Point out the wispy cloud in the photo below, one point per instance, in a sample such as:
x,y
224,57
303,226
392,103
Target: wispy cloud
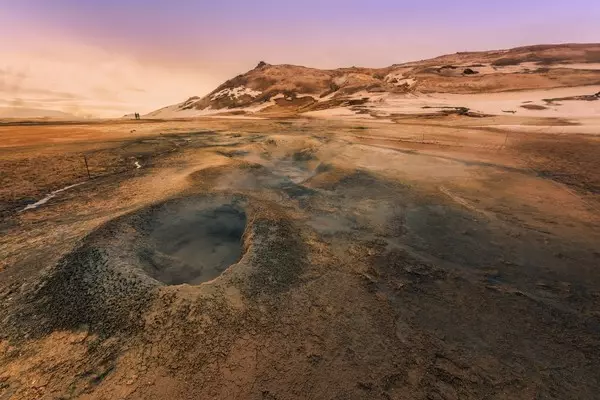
x,y
85,80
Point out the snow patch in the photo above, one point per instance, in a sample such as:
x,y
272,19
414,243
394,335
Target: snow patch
x,y
236,92
48,197
278,96
588,66
340,80
410,82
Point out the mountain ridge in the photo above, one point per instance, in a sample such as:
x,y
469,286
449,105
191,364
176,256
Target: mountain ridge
x,y
287,88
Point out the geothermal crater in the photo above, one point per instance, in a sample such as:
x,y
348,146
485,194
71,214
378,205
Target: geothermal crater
x,y
191,242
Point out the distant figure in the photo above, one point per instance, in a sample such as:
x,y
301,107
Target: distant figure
x,y
137,116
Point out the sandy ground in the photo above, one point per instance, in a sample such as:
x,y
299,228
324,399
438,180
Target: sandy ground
x,y
420,256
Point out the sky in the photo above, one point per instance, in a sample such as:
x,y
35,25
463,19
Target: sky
x,y
106,58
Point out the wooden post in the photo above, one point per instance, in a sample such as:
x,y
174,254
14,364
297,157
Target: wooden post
x,y
505,142
86,166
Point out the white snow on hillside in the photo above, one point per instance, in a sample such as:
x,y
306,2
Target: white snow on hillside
x,y
236,93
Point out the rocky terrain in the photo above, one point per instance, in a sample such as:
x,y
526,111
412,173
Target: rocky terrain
x,y
288,89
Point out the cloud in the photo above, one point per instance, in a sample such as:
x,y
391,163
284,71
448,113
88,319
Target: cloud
x,y
17,103
83,79
11,80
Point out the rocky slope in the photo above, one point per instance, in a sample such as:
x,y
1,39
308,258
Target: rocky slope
x,y
284,89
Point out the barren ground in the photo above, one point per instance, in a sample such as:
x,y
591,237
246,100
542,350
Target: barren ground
x,y
422,257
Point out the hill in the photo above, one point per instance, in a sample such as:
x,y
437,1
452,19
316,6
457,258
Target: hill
x,y
19,112
290,89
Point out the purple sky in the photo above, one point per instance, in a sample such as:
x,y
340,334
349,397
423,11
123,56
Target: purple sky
x,y
219,39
